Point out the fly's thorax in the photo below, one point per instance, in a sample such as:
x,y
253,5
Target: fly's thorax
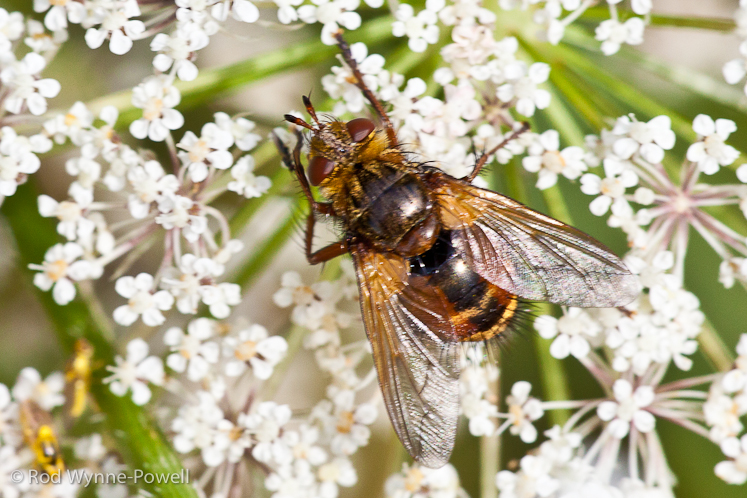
x,y
384,203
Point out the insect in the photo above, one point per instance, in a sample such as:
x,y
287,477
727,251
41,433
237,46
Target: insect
x,y
439,262
36,425
78,376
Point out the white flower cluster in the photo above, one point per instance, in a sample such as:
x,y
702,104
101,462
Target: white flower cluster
x,y
628,351
658,214
415,481
446,130
176,205
23,95
736,69
726,404
556,15
225,360
339,424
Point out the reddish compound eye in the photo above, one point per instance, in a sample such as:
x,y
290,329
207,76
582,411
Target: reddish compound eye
x,y
360,128
319,169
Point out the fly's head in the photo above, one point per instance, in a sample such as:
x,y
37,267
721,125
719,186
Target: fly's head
x,y
337,145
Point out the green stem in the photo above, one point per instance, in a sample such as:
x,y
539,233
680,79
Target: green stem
x,y
263,254
716,24
555,386
714,348
142,444
490,455
686,78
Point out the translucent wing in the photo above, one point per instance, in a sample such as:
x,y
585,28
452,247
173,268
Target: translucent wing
x,y
529,254
415,354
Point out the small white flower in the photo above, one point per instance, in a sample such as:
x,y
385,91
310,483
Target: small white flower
x,y
149,183
338,472
46,393
75,124
69,213
641,7
351,424
286,11
188,282
177,51
611,188
59,12
210,150
300,444
571,332
722,414
182,213
734,471
157,97
245,182
291,480
118,28
332,14
546,159
649,140
60,268
627,409
220,297
421,29
522,87
11,29
253,346
265,425
135,372
192,352
735,70
613,34
532,479
142,301
17,159
22,79
240,128
710,151
415,481
523,410
245,11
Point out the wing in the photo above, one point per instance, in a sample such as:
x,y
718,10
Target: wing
x,y
415,353
529,254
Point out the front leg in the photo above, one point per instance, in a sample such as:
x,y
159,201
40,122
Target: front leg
x,y
293,163
325,253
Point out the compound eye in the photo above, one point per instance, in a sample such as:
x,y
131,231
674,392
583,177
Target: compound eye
x,y
360,128
319,169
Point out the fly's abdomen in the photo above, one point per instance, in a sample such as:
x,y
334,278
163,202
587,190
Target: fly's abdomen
x,y
479,309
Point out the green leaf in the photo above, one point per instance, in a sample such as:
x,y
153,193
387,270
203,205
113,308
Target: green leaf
x,y
142,444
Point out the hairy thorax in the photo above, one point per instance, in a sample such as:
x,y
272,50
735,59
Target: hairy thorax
x,y
387,204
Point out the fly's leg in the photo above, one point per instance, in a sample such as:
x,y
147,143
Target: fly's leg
x,y
293,163
325,253
484,158
348,56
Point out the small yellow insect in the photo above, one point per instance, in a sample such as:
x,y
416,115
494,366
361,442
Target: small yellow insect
x,y
78,375
39,435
